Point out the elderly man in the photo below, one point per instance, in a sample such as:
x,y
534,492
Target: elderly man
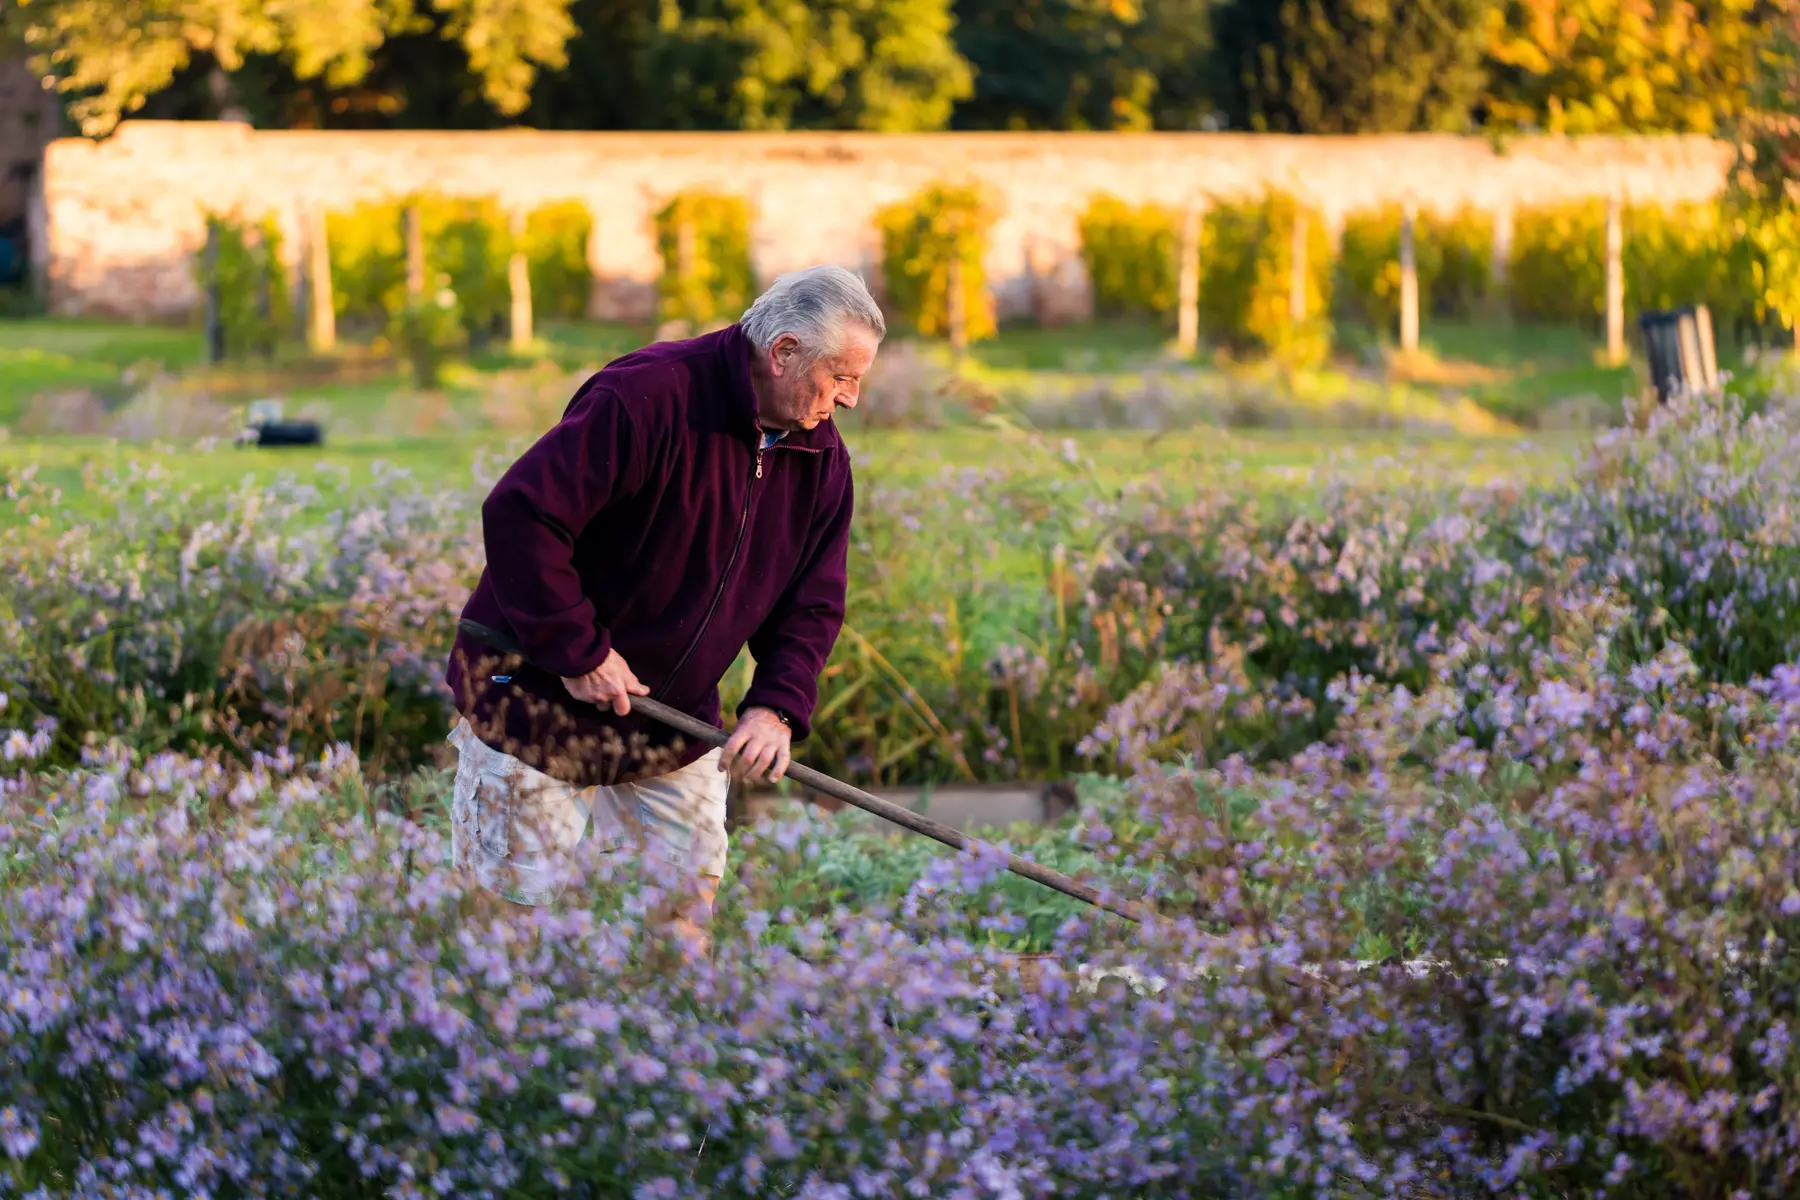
x,y
694,498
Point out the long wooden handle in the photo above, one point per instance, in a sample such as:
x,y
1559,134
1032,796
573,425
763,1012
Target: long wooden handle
x,y
821,782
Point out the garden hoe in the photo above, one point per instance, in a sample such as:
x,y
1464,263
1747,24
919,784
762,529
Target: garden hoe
x,y
826,785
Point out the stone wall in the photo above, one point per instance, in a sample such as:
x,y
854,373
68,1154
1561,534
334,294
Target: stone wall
x,y
125,215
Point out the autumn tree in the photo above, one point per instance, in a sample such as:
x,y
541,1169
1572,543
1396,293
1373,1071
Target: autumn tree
x,y
1351,66
109,56
1609,66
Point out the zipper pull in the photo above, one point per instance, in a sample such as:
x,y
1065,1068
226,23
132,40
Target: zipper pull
x,y
759,464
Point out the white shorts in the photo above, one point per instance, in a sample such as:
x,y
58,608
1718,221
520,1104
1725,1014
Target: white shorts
x,y
514,828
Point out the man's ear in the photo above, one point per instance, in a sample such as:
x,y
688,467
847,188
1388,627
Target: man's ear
x,y
783,353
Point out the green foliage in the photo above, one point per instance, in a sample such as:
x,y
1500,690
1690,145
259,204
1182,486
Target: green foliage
x,y
1246,278
428,333
1465,250
1074,64
1453,256
919,238
466,249
556,243
109,55
704,240
1130,252
256,309
1773,241
1672,256
1369,265
1558,267
1679,256
835,64
1351,66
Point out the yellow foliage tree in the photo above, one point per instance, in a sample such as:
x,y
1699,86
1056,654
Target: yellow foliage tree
x,y
1607,66
110,55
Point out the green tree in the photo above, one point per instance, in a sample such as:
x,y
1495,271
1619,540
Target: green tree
x,y
1607,66
1085,64
1351,66
801,64
109,56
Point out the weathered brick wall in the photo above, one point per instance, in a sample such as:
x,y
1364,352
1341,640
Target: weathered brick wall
x,y
126,214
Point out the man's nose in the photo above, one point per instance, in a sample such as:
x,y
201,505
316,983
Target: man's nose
x,y
848,397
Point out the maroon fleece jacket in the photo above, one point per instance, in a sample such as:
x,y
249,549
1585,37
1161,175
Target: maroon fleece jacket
x,y
649,521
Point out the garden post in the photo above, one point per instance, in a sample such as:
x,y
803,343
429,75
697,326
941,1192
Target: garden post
x,y
956,309
1297,268
518,277
1409,280
415,253
1615,282
265,300
596,261
1502,258
215,325
322,316
1187,320
685,258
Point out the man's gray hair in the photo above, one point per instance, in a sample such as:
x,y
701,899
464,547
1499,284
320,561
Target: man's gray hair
x,y
814,304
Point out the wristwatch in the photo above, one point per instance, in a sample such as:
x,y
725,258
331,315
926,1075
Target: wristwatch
x,y
782,717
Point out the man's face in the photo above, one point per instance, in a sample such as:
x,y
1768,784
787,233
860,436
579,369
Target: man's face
x,y
805,394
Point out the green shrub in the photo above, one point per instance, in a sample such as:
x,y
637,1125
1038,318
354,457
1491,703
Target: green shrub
x,y
1675,256
1453,255
1130,252
1368,265
1465,252
430,332
256,310
1246,252
556,242
715,283
1558,268
467,244
919,238
466,249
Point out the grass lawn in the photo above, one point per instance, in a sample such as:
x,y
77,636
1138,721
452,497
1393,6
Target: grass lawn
x,y
1470,378
1277,463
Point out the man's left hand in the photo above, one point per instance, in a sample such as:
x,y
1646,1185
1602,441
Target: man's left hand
x,y
757,750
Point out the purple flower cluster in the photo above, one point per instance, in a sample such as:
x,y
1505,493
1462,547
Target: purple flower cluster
x,y
210,998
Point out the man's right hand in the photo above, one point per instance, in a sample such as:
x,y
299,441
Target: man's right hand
x,y
609,683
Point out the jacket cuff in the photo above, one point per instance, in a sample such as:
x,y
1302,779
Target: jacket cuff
x,y
573,666
784,701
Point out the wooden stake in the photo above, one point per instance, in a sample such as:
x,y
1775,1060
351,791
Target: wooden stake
x,y
518,277
415,253
1615,282
1187,321
215,325
322,326
1409,281
1501,264
1297,269
956,316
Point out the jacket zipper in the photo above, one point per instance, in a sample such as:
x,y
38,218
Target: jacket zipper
x,y
724,578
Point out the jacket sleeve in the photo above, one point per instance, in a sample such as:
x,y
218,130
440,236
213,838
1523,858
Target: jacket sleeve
x,y
793,643
529,522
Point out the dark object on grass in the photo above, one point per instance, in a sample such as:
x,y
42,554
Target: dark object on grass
x,y
818,782
289,433
1679,344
